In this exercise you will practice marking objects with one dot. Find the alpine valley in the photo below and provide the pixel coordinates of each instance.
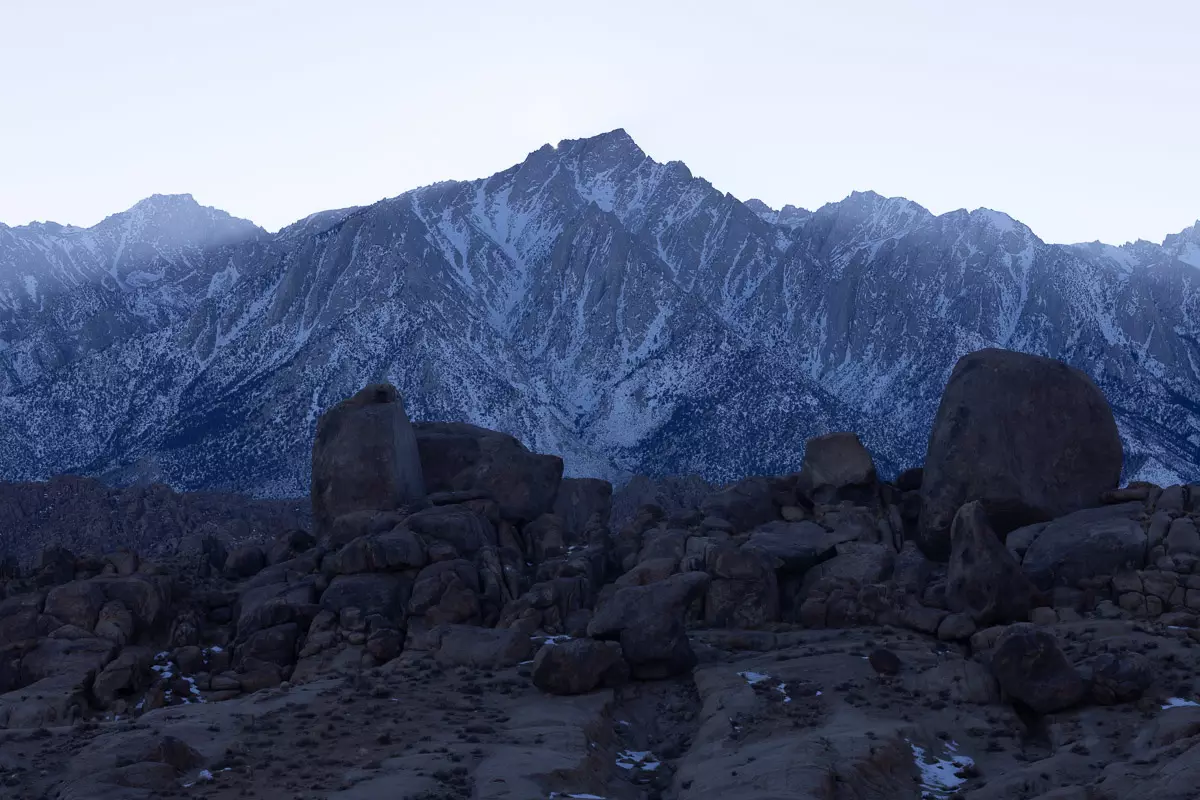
(591, 301)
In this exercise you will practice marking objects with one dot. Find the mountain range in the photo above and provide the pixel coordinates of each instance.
(598, 304)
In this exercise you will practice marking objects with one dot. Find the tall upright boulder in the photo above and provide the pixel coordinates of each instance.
(364, 457)
(1029, 437)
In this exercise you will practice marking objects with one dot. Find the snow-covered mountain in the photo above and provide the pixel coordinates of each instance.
(590, 300)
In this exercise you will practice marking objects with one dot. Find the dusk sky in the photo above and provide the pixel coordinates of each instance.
(1078, 118)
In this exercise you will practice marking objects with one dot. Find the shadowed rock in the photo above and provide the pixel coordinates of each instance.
(364, 457)
(984, 580)
(1032, 669)
(1030, 437)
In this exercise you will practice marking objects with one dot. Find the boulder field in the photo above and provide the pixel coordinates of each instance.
(457, 620)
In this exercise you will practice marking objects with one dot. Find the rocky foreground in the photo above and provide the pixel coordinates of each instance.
(459, 621)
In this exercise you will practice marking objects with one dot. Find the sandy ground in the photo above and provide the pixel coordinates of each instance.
(764, 716)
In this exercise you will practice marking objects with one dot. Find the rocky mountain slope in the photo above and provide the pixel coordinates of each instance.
(592, 301)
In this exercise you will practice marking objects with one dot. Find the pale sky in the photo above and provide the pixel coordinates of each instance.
(1081, 119)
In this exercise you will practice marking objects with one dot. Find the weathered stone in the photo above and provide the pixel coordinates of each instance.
(396, 550)
(275, 645)
(1182, 537)
(77, 603)
(480, 648)
(115, 623)
(984, 580)
(460, 457)
(836, 466)
(384, 644)
(796, 546)
(1127, 581)
(745, 504)
(791, 514)
(1192, 599)
(1158, 583)
(1133, 602)
(1173, 500)
(583, 502)
(357, 524)
(853, 523)
(364, 457)
(1127, 494)
(1119, 677)
(579, 666)
(385, 594)
(1156, 531)
(744, 592)
(1031, 438)
(649, 623)
(813, 613)
(467, 531)
(262, 676)
(147, 598)
(447, 593)
(1031, 668)
(1085, 544)
(670, 543)
(956, 627)
(291, 543)
(855, 561)
(54, 565)
(922, 618)
(547, 535)
(912, 568)
(126, 675)
(1043, 615)
(245, 561)
(275, 604)
(1018, 541)
(934, 595)
(655, 569)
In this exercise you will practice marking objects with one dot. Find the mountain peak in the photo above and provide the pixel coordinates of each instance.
(1185, 245)
(1190, 234)
(157, 201)
(616, 144)
(178, 219)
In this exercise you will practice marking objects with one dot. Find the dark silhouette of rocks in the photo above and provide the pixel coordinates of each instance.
(364, 457)
(1030, 437)
(466, 623)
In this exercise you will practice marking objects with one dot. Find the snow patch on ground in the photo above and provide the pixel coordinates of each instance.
(755, 678)
(638, 759)
(940, 776)
(1179, 702)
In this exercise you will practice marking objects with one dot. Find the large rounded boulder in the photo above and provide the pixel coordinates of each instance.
(457, 457)
(364, 457)
(1029, 437)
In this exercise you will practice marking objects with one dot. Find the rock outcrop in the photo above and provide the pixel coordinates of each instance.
(364, 457)
(984, 581)
(499, 608)
(1030, 437)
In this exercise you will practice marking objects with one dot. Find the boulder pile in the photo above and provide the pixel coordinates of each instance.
(459, 544)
